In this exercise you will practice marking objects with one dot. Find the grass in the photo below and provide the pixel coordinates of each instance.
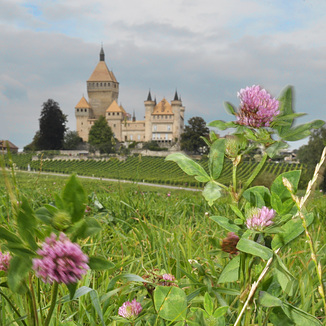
(148, 229)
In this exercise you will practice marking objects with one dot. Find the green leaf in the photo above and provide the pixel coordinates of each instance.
(299, 316)
(18, 270)
(279, 318)
(96, 304)
(275, 148)
(285, 108)
(98, 263)
(9, 236)
(20, 249)
(258, 196)
(25, 217)
(85, 228)
(212, 192)
(222, 125)
(216, 158)
(134, 278)
(302, 131)
(254, 248)
(208, 304)
(226, 223)
(237, 211)
(44, 215)
(189, 166)
(72, 287)
(170, 303)
(229, 108)
(74, 199)
(230, 272)
(79, 292)
(292, 229)
(221, 311)
(278, 187)
(268, 300)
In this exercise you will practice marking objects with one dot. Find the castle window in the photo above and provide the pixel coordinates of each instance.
(77, 110)
(166, 117)
(114, 125)
(117, 113)
(96, 84)
(101, 84)
(109, 113)
(169, 127)
(154, 128)
(131, 137)
(93, 84)
(138, 137)
(108, 84)
(104, 84)
(81, 123)
(112, 113)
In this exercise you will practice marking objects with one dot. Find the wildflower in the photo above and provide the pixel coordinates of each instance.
(62, 261)
(130, 310)
(168, 194)
(257, 107)
(229, 244)
(4, 261)
(260, 218)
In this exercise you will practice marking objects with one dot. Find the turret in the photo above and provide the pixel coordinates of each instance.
(149, 107)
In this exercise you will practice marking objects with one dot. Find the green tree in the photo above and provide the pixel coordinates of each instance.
(190, 139)
(101, 136)
(34, 145)
(72, 140)
(310, 155)
(52, 126)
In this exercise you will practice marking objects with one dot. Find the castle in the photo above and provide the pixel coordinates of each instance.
(164, 121)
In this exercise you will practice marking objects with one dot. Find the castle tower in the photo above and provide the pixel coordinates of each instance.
(82, 112)
(178, 111)
(149, 108)
(115, 115)
(102, 88)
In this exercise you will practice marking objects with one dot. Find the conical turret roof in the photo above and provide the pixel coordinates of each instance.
(83, 104)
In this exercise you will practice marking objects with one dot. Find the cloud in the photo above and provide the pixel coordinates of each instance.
(206, 50)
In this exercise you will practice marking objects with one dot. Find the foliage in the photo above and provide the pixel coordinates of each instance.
(153, 146)
(266, 220)
(148, 169)
(52, 126)
(191, 140)
(165, 258)
(34, 145)
(101, 136)
(71, 140)
(309, 154)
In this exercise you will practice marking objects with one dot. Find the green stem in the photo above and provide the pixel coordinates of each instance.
(13, 307)
(53, 303)
(254, 174)
(234, 177)
(221, 185)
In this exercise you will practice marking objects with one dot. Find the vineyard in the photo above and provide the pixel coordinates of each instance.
(145, 169)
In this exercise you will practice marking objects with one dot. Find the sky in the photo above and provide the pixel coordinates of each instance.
(206, 50)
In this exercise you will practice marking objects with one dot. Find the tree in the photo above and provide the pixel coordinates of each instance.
(101, 136)
(190, 139)
(34, 145)
(310, 154)
(52, 126)
(71, 140)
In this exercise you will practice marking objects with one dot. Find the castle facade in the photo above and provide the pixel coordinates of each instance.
(164, 121)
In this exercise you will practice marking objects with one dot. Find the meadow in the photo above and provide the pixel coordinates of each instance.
(149, 169)
(145, 232)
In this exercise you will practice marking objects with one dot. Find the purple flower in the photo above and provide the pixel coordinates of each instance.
(4, 261)
(257, 107)
(130, 310)
(62, 261)
(168, 277)
(260, 218)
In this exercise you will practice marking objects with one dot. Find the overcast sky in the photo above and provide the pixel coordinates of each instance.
(206, 49)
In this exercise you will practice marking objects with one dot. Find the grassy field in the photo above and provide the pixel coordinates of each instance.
(148, 169)
(148, 231)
